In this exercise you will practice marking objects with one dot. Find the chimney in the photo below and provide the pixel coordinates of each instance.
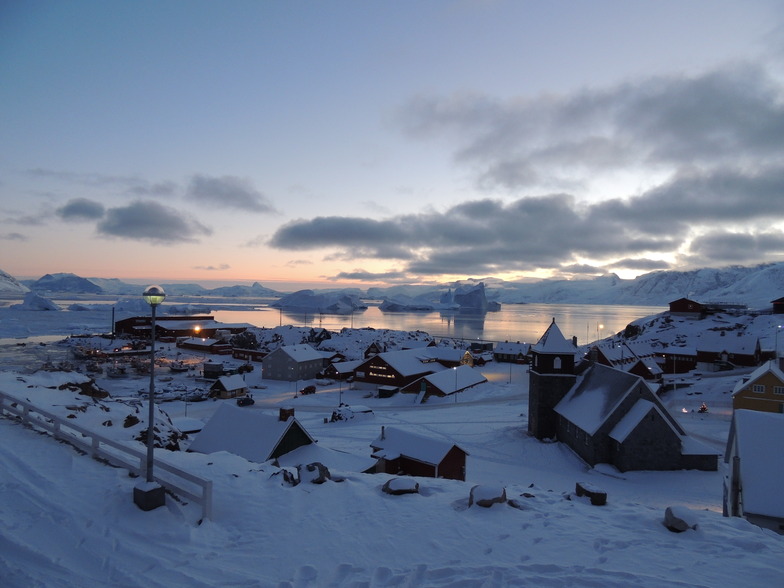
(383, 435)
(285, 414)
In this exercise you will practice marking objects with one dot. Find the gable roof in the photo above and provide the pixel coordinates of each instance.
(393, 442)
(633, 418)
(229, 383)
(408, 362)
(454, 379)
(732, 342)
(245, 432)
(507, 347)
(770, 366)
(757, 438)
(595, 395)
(301, 352)
(553, 341)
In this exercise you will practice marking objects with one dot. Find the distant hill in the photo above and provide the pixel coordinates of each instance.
(64, 283)
(10, 285)
(754, 286)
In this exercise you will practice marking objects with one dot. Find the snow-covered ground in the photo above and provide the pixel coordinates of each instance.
(67, 520)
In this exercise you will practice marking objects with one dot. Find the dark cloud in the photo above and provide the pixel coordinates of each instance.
(582, 268)
(81, 209)
(733, 115)
(213, 268)
(13, 237)
(640, 264)
(145, 220)
(365, 276)
(555, 231)
(133, 185)
(737, 247)
(228, 191)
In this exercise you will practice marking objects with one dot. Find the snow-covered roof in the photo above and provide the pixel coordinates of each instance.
(595, 396)
(633, 418)
(245, 432)
(345, 367)
(731, 342)
(553, 341)
(758, 438)
(651, 365)
(454, 379)
(234, 382)
(200, 341)
(512, 348)
(770, 366)
(409, 362)
(332, 458)
(396, 442)
(302, 352)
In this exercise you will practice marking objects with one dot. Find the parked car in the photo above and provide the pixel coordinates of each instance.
(308, 390)
(245, 401)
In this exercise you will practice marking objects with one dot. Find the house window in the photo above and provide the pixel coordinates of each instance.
(758, 388)
(778, 389)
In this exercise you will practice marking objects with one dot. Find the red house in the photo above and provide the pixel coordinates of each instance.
(686, 307)
(401, 452)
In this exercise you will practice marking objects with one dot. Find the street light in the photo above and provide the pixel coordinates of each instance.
(776, 352)
(150, 495)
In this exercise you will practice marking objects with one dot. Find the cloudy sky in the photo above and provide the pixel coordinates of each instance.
(352, 142)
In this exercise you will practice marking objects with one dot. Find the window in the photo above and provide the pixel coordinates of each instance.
(557, 363)
(758, 388)
(778, 389)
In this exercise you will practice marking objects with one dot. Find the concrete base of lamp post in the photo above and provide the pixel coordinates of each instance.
(149, 495)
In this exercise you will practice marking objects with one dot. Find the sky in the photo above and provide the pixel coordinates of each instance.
(356, 143)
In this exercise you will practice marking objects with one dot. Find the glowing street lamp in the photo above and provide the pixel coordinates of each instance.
(150, 495)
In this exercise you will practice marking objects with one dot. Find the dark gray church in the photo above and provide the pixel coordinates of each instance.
(603, 414)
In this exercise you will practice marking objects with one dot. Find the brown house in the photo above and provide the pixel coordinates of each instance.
(719, 349)
(402, 452)
(395, 368)
(762, 390)
(686, 307)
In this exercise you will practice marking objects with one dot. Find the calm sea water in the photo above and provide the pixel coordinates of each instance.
(514, 322)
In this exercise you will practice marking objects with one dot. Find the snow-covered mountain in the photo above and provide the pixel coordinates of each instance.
(65, 282)
(10, 285)
(754, 286)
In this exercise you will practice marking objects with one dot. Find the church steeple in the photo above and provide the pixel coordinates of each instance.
(553, 353)
(551, 376)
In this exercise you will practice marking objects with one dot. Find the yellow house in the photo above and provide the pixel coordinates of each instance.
(762, 390)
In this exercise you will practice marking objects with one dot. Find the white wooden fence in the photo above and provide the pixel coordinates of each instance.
(174, 479)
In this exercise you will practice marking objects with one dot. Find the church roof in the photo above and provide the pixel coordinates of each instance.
(595, 396)
(553, 341)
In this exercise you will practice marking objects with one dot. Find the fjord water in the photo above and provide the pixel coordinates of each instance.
(514, 322)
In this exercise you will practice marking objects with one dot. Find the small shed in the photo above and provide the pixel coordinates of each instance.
(229, 387)
(403, 452)
(251, 434)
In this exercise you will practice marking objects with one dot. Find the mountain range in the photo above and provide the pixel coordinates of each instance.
(754, 286)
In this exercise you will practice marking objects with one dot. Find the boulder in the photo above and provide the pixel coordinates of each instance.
(679, 519)
(487, 496)
(315, 473)
(597, 495)
(398, 486)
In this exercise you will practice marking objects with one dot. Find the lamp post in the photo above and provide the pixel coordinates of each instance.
(776, 351)
(151, 495)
